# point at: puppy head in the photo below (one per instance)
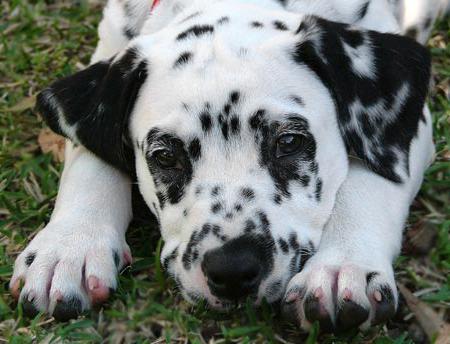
(239, 132)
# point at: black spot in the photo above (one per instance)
(235, 125)
(370, 276)
(305, 255)
(298, 100)
(223, 20)
(277, 198)
(197, 31)
(250, 226)
(205, 119)
(229, 216)
(195, 149)
(293, 241)
(234, 97)
(283, 245)
(183, 59)
(161, 198)
(363, 10)
(30, 258)
(226, 109)
(318, 190)
(225, 130)
(280, 25)
(129, 33)
(248, 193)
(216, 207)
(257, 120)
(116, 258)
(185, 213)
(238, 207)
(305, 180)
(216, 190)
(264, 222)
(256, 24)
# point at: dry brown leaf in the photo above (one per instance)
(420, 238)
(52, 143)
(24, 104)
(429, 320)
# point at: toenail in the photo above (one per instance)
(347, 295)
(291, 297)
(93, 283)
(377, 296)
(318, 293)
(128, 258)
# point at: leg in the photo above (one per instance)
(73, 262)
(350, 282)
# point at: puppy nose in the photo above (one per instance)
(234, 270)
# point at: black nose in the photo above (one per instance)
(235, 270)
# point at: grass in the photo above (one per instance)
(43, 40)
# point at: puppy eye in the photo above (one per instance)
(165, 158)
(289, 144)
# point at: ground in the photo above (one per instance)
(41, 41)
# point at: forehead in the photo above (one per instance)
(222, 57)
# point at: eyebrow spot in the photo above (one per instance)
(183, 59)
(248, 193)
(256, 24)
(206, 122)
(280, 25)
(197, 31)
(223, 20)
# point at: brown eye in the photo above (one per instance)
(165, 158)
(289, 144)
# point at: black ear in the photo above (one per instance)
(379, 83)
(92, 107)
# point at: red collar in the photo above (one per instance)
(154, 4)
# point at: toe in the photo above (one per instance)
(29, 309)
(68, 297)
(68, 308)
(101, 269)
(98, 292)
(15, 287)
(384, 304)
(350, 315)
(316, 311)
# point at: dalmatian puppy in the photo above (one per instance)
(278, 143)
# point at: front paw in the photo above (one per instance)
(67, 268)
(341, 296)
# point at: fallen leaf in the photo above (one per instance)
(24, 104)
(420, 238)
(429, 320)
(52, 143)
